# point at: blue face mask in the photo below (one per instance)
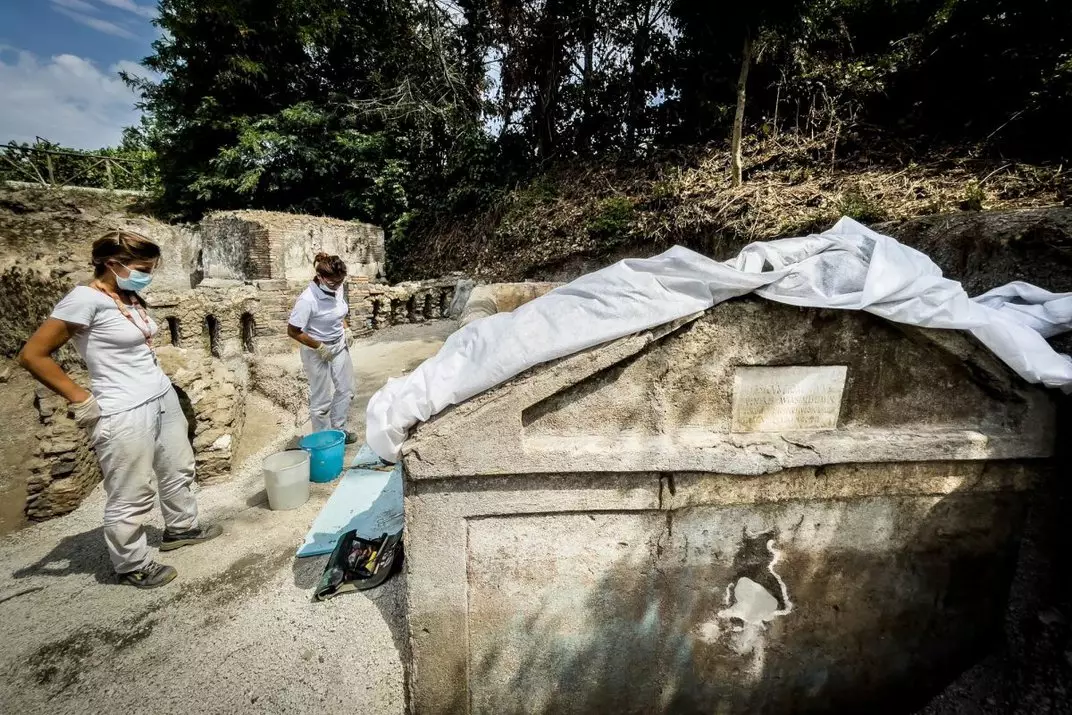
(136, 281)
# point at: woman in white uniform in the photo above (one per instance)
(131, 411)
(318, 322)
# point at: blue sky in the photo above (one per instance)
(59, 61)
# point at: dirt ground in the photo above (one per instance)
(16, 446)
(237, 631)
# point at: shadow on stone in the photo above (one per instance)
(260, 499)
(83, 553)
(308, 570)
(1027, 672)
(390, 600)
(867, 629)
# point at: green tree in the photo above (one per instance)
(346, 108)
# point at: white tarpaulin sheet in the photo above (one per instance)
(849, 267)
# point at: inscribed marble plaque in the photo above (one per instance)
(780, 399)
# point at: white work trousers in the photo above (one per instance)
(131, 446)
(331, 387)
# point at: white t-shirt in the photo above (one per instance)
(122, 371)
(319, 315)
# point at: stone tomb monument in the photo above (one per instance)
(759, 509)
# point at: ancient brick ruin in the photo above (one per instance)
(258, 245)
(217, 337)
(64, 468)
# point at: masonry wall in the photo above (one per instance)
(234, 247)
(375, 306)
(746, 511)
(64, 469)
(257, 245)
(214, 400)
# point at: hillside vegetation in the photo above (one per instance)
(583, 215)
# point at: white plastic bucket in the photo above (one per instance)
(286, 479)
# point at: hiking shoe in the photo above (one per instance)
(154, 575)
(188, 538)
(351, 438)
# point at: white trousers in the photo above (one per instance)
(131, 446)
(331, 388)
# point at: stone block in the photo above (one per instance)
(57, 446)
(205, 439)
(271, 285)
(62, 469)
(223, 443)
(745, 511)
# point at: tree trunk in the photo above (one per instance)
(588, 39)
(738, 118)
(638, 53)
(545, 103)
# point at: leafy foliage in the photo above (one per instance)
(348, 108)
(129, 166)
(612, 218)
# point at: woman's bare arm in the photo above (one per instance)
(302, 338)
(36, 356)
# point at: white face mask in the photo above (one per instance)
(326, 287)
(135, 281)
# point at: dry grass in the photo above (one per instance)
(565, 220)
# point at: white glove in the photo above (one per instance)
(86, 413)
(348, 338)
(325, 352)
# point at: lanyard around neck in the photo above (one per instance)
(124, 310)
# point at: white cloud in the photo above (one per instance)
(96, 23)
(80, 5)
(65, 99)
(146, 11)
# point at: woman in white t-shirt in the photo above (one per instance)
(131, 411)
(318, 322)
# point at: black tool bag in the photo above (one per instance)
(359, 564)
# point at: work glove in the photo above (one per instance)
(348, 338)
(86, 413)
(325, 352)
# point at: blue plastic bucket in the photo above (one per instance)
(326, 451)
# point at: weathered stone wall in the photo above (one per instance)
(225, 319)
(375, 306)
(268, 245)
(495, 298)
(216, 402)
(64, 469)
(28, 297)
(763, 508)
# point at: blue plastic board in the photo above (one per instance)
(366, 500)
